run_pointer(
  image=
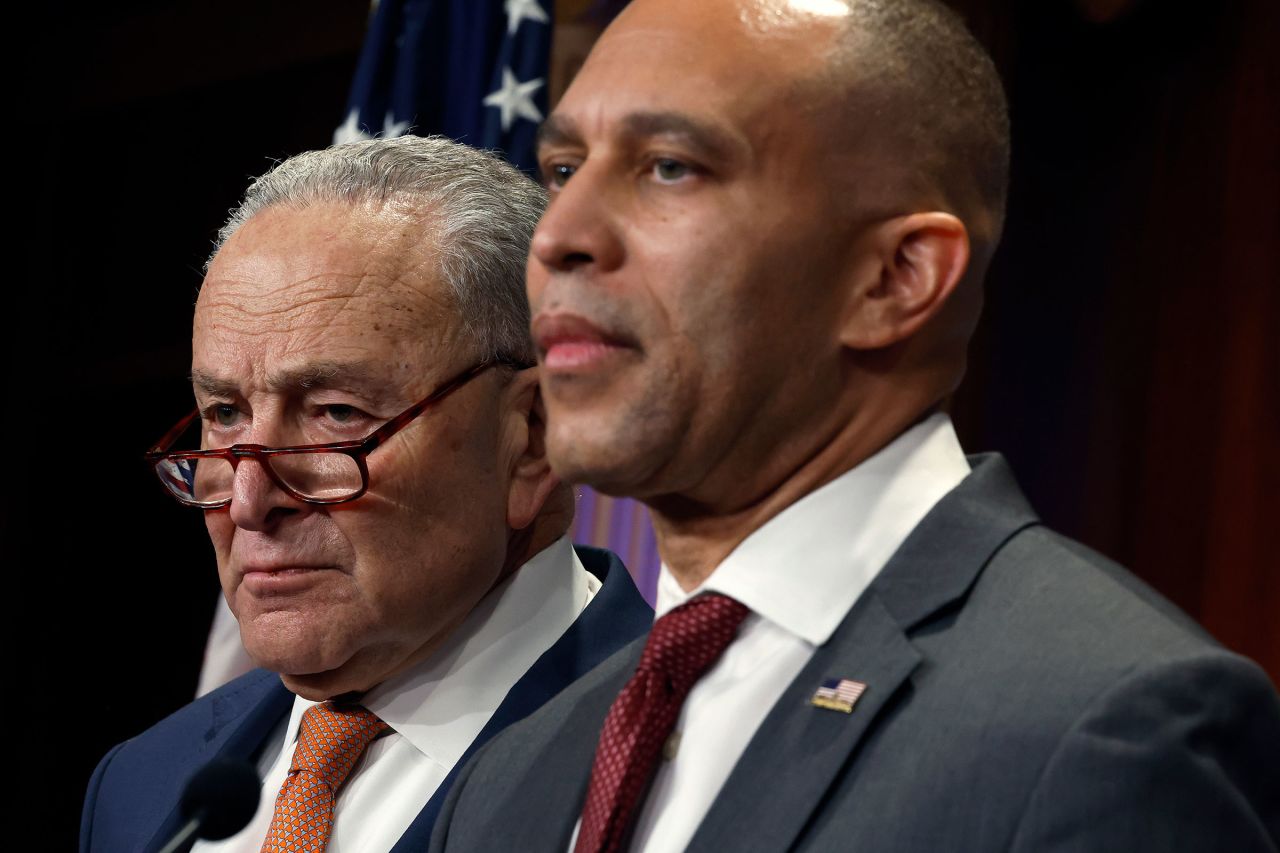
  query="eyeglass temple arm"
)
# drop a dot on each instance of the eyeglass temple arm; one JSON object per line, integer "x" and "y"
{"x": 172, "y": 435}
{"x": 394, "y": 425}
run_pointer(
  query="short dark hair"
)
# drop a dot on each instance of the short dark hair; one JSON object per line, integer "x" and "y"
{"x": 931, "y": 95}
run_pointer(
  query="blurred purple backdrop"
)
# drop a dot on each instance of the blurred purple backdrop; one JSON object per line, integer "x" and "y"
{"x": 621, "y": 525}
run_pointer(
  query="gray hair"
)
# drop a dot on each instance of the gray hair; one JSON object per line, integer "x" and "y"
{"x": 483, "y": 211}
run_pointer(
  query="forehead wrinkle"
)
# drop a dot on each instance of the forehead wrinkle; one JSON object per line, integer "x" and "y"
{"x": 404, "y": 256}
{"x": 366, "y": 251}
{"x": 213, "y": 385}
{"x": 320, "y": 300}
{"x": 285, "y": 308}
{"x": 728, "y": 104}
{"x": 367, "y": 376}
{"x": 404, "y": 239}
{"x": 704, "y": 137}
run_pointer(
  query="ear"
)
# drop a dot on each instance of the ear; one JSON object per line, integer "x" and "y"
{"x": 917, "y": 262}
{"x": 532, "y": 479}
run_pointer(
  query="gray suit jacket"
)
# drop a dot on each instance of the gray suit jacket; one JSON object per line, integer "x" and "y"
{"x": 1023, "y": 694}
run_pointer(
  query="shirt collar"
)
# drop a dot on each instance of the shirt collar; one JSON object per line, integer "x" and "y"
{"x": 442, "y": 703}
{"x": 804, "y": 569}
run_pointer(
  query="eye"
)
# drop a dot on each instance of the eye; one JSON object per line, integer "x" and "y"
{"x": 668, "y": 170}
{"x": 222, "y": 414}
{"x": 341, "y": 413}
{"x": 556, "y": 175}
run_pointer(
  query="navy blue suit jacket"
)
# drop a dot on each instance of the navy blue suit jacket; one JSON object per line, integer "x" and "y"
{"x": 132, "y": 800}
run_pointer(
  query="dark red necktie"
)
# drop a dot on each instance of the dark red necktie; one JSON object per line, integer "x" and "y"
{"x": 681, "y": 647}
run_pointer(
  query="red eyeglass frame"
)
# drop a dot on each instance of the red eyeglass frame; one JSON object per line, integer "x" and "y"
{"x": 357, "y": 449}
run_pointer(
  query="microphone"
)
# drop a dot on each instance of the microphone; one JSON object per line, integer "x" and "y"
{"x": 218, "y": 802}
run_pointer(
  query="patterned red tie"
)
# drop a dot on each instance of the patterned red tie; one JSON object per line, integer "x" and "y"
{"x": 330, "y": 740}
{"x": 681, "y": 647}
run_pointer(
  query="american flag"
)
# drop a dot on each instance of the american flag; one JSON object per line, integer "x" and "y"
{"x": 472, "y": 70}
{"x": 181, "y": 474}
{"x": 838, "y": 694}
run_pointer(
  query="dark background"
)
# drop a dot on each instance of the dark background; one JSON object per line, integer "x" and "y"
{"x": 1128, "y": 362}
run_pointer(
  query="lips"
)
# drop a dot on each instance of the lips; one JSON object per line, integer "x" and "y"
{"x": 276, "y": 568}
{"x": 570, "y": 343}
{"x": 280, "y": 579}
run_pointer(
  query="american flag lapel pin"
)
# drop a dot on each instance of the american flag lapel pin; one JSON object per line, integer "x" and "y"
{"x": 838, "y": 694}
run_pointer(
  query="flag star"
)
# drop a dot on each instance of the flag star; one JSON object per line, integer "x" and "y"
{"x": 392, "y": 128}
{"x": 350, "y": 130}
{"x": 515, "y": 99}
{"x": 519, "y": 10}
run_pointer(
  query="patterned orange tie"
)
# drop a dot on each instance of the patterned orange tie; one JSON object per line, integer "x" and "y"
{"x": 330, "y": 740}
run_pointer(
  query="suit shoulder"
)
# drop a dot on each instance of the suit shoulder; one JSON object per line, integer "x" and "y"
{"x": 194, "y": 719}
{"x": 1178, "y": 754}
{"x": 1049, "y": 628}
{"x": 138, "y": 782}
{"x": 1042, "y": 584}
{"x": 1060, "y": 702}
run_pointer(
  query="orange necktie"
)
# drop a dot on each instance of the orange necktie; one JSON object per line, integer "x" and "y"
{"x": 330, "y": 740}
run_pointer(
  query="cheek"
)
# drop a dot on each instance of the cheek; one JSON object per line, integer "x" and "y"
{"x": 738, "y": 340}
{"x": 221, "y": 531}
{"x": 423, "y": 565}
{"x": 713, "y": 318}
{"x": 437, "y": 479}
{"x": 445, "y": 504}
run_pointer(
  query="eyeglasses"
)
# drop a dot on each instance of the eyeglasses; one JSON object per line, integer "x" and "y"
{"x": 325, "y": 474}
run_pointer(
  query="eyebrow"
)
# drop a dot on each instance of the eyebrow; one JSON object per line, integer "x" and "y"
{"x": 706, "y": 139}
{"x": 349, "y": 375}
{"x": 557, "y": 130}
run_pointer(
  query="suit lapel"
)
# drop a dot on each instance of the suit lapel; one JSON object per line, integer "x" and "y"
{"x": 240, "y": 719}
{"x": 536, "y": 779}
{"x": 546, "y": 816}
{"x": 800, "y": 750}
{"x": 942, "y": 558}
{"x": 616, "y": 616}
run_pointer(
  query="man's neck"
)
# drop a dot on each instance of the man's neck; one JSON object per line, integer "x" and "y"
{"x": 693, "y": 541}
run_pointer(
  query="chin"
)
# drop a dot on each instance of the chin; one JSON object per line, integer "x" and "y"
{"x": 580, "y": 455}
{"x": 289, "y": 663}
{"x": 619, "y": 441}
{"x": 619, "y": 466}
{"x": 318, "y": 687}
{"x": 279, "y": 651}
{"x": 318, "y": 677}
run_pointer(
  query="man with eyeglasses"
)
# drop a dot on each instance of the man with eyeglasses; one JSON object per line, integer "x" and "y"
{"x": 368, "y": 452}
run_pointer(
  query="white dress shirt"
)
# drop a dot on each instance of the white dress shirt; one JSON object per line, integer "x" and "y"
{"x": 434, "y": 710}
{"x": 800, "y": 574}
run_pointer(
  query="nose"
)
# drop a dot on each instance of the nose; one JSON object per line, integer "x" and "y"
{"x": 257, "y": 502}
{"x": 578, "y": 231}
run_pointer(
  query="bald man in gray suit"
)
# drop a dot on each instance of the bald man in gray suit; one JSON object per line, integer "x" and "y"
{"x": 752, "y": 291}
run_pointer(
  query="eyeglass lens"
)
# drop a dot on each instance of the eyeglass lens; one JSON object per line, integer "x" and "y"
{"x": 323, "y": 476}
